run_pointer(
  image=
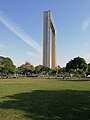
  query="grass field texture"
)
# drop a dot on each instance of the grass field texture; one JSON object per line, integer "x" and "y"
{"x": 44, "y": 99}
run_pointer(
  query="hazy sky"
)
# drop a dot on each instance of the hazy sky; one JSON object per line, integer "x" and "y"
{"x": 21, "y": 29}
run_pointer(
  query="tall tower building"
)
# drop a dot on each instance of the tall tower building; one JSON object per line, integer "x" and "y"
{"x": 48, "y": 24}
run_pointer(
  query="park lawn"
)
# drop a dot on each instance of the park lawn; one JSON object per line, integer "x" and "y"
{"x": 44, "y": 99}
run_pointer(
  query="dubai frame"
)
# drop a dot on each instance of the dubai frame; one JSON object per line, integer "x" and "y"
{"x": 48, "y": 24}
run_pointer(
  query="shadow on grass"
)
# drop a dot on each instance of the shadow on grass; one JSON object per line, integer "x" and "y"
{"x": 77, "y": 80}
{"x": 51, "y": 105}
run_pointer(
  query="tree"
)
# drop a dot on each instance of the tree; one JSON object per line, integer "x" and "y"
{"x": 89, "y": 67}
{"x": 78, "y": 64}
{"x": 26, "y": 68}
{"x": 88, "y": 72}
{"x": 62, "y": 70}
{"x": 42, "y": 69}
{"x": 7, "y": 66}
{"x": 1, "y": 64}
{"x": 53, "y": 72}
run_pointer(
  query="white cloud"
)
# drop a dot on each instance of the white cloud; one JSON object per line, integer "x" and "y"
{"x": 19, "y": 32}
{"x": 31, "y": 54}
{"x": 86, "y": 24}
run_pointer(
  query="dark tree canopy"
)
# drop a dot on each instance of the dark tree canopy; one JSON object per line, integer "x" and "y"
{"x": 26, "y": 68}
{"x": 77, "y": 63}
{"x": 6, "y": 65}
{"x": 41, "y": 68}
{"x": 89, "y": 68}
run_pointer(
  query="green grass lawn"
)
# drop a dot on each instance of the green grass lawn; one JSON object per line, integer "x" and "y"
{"x": 44, "y": 99}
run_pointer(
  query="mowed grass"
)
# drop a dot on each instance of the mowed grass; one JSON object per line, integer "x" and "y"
{"x": 44, "y": 99}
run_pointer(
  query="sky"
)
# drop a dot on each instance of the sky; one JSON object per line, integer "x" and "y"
{"x": 21, "y": 29}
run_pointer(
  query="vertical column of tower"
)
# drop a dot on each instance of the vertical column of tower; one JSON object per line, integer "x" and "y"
{"x": 49, "y": 17}
{"x": 46, "y": 39}
{"x": 53, "y": 48}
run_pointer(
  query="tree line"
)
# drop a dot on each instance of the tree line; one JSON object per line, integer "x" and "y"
{"x": 77, "y": 65}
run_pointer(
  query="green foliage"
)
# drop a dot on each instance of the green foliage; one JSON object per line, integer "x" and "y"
{"x": 1, "y": 63}
{"x": 89, "y": 67}
{"x": 42, "y": 69}
{"x": 77, "y": 63}
{"x": 53, "y": 71}
{"x": 26, "y": 68}
{"x": 7, "y": 66}
{"x": 62, "y": 70}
